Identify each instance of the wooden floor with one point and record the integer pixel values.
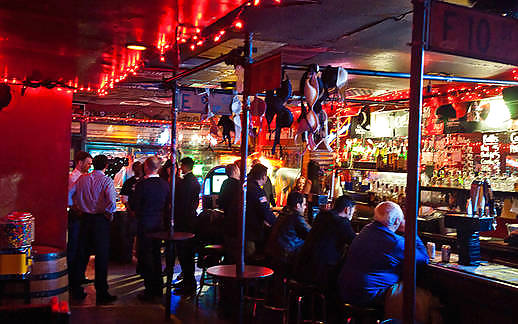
(127, 285)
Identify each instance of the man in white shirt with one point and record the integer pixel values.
(94, 195)
(83, 162)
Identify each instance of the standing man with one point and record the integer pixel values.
(187, 198)
(83, 162)
(228, 200)
(268, 187)
(257, 211)
(149, 202)
(94, 195)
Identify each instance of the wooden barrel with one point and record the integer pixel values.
(48, 278)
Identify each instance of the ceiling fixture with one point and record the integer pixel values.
(136, 46)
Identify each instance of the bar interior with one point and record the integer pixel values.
(282, 161)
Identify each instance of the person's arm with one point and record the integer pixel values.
(265, 211)
(347, 234)
(136, 198)
(71, 192)
(111, 196)
(301, 227)
(421, 254)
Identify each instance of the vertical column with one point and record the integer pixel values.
(413, 161)
(240, 266)
(174, 115)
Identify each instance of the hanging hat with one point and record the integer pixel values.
(257, 107)
(311, 90)
(445, 112)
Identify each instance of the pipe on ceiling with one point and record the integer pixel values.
(400, 75)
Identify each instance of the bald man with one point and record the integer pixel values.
(375, 258)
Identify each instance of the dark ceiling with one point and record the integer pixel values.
(84, 41)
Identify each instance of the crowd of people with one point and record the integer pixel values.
(362, 269)
(92, 202)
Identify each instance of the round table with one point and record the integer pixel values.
(170, 237)
(228, 271)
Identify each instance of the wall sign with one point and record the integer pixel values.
(467, 32)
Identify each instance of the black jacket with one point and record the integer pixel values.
(287, 235)
(257, 212)
(321, 255)
(150, 201)
(228, 201)
(187, 198)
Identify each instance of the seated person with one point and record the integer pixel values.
(289, 231)
(320, 256)
(374, 262)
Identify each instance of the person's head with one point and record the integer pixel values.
(83, 161)
(137, 168)
(186, 164)
(232, 171)
(100, 162)
(344, 206)
(151, 165)
(389, 214)
(258, 173)
(297, 201)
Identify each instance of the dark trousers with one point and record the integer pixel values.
(95, 235)
(150, 263)
(74, 222)
(185, 251)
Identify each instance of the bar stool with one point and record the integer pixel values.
(301, 291)
(362, 314)
(209, 256)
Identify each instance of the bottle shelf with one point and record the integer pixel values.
(372, 170)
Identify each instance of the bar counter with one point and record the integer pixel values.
(487, 293)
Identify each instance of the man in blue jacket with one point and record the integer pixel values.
(375, 258)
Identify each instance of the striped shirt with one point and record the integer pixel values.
(94, 193)
(72, 178)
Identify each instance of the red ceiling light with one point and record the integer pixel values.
(136, 46)
(222, 32)
(238, 24)
(217, 38)
(199, 43)
(162, 59)
(257, 2)
(192, 47)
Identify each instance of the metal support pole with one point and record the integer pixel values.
(174, 116)
(83, 129)
(240, 265)
(414, 149)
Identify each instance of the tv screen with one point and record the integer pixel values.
(217, 181)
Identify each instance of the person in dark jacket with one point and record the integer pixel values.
(268, 187)
(149, 202)
(322, 253)
(257, 210)
(289, 231)
(228, 200)
(187, 196)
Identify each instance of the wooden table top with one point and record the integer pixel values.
(228, 271)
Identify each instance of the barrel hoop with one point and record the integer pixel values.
(40, 294)
(48, 256)
(48, 276)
